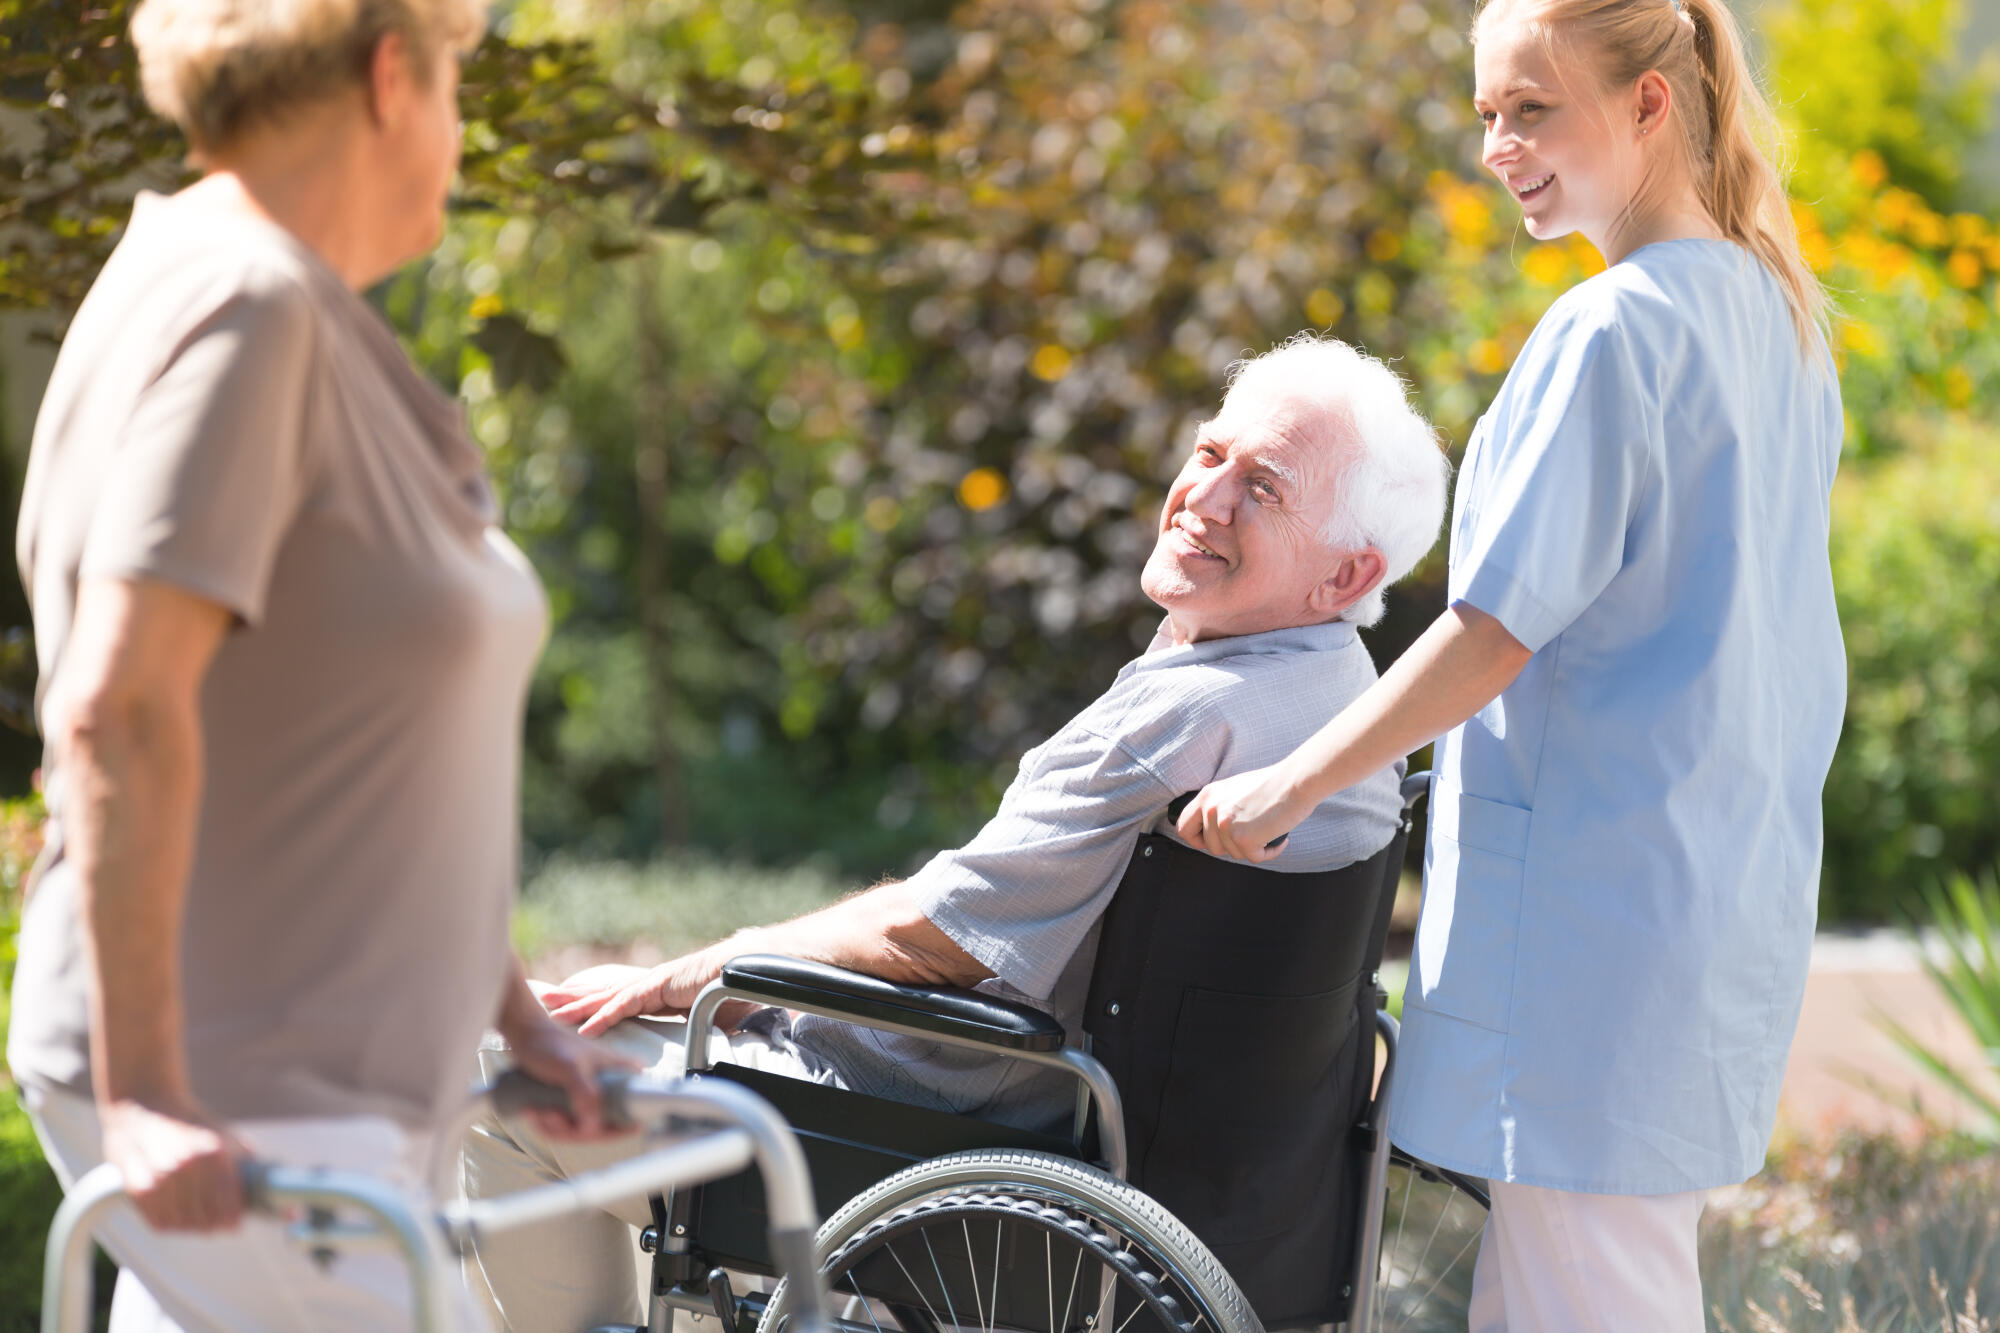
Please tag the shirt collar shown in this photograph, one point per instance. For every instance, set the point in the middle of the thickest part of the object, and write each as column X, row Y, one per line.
column 1334, row 634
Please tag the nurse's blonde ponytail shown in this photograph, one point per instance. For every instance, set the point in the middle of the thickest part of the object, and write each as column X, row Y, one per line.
column 1697, row 47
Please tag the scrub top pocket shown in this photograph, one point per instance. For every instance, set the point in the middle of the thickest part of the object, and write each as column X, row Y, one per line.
column 1464, row 962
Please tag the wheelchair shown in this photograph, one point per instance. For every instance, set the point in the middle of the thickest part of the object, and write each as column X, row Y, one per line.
column 1227, row 1169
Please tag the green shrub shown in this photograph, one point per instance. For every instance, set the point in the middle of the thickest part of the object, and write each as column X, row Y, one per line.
column 1916, row 554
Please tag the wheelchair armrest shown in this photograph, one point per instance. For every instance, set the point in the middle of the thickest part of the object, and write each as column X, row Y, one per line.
column 872, row 1002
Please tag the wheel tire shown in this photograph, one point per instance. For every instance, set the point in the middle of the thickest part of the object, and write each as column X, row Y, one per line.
column 1432, row 1223
column 1167, row 1247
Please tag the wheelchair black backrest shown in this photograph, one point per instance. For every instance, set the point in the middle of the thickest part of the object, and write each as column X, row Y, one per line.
column 1235, row 1007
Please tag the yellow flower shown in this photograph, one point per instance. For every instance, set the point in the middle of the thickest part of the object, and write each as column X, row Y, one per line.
column 1894, row 209
column 1584, row 255
column 1487, row 357
column 1957, row 386
column 1818, row 251
column 1928, row 229
column 485, row 307
column 981, row 489
column 1968, row 230
column 1963, row 268
column 1869, row 168
column 1051, row 363
column 1546, row 264
column 1384, row 245
column 1467, row 217
column 1862, row 338
column 1324, row 308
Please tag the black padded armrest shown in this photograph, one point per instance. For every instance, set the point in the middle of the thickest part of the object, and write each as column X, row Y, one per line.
column 872, row 1002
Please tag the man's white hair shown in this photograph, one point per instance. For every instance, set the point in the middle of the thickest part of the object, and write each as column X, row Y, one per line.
column 1389, row 480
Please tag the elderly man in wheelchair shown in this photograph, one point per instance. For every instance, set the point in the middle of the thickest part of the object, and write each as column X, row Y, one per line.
column 1074, row 985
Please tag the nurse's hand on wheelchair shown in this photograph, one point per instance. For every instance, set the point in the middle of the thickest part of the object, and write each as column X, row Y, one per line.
column 1247, row 817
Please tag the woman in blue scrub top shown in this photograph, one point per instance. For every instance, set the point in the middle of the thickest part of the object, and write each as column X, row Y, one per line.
column 1638, row 683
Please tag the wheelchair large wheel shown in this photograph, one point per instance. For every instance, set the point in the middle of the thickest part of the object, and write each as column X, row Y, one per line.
column 1431, row 1226
column 1021, row 1241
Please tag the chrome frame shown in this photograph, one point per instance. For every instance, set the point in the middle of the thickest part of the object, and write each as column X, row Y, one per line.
column 736, row 1128
column 1368, row 1236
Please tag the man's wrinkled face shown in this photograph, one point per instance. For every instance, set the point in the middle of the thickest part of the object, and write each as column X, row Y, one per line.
column 1240, row 547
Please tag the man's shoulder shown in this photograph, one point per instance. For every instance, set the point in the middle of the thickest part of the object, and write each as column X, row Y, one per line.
column 1162, row 699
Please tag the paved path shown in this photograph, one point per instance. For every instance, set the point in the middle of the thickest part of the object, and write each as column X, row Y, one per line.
column 1844, row 1071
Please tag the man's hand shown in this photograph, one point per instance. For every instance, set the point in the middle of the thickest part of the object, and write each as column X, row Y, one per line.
column 1241, row 816
column 182, row 1170
column 597, row 998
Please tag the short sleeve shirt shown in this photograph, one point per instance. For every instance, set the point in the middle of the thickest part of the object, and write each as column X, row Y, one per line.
column 228, row 418
column 1623, row 860
column 1025, row 896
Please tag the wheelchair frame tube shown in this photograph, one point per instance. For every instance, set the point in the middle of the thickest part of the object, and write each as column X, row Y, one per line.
column 1368, row 1237
column 1092, row 1073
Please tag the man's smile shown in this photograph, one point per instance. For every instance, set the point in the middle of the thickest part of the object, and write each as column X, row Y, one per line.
column 1198, row 546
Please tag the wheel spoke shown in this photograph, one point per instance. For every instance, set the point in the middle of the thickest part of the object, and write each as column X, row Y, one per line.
column 914, row 1287
column 1441, row 1274
column 1136, row 1307
column 972, row 1271
column 866, row 1308
column 943, row 1287
column 1049, row 1260
column 993, row 1297
column 1417, row 1267
column 1075, row 1273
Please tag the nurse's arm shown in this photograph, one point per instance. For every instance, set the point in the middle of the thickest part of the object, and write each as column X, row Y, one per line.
column 1459, row 665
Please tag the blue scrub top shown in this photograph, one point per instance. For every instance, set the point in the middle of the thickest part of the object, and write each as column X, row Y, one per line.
column 1623, row 868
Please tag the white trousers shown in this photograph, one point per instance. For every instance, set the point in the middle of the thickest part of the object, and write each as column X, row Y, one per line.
column 581, row 1271
column 254, row 1279
column 1552, row 1261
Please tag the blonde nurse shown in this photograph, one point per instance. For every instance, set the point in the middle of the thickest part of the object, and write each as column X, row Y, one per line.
column 1638, row 684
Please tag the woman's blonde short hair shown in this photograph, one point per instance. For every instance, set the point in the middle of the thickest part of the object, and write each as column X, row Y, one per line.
column 216, row 67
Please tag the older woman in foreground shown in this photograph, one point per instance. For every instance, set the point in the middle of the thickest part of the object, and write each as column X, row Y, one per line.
column 284, row 651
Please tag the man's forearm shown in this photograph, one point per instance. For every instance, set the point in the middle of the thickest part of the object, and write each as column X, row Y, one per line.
column 880, row 932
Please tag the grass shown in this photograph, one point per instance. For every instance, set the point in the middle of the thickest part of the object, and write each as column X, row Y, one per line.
column 664, row 907
column 1866, row 1234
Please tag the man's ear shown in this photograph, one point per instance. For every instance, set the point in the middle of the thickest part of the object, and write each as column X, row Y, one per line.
column 391, row 81
column 1353, row 578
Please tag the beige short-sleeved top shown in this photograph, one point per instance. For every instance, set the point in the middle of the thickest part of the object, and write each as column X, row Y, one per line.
column 228, row 417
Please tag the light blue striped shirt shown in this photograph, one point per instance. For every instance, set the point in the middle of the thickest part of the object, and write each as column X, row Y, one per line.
column 1025, row 896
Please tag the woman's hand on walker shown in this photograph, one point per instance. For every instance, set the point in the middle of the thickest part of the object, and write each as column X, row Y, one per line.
column 554, row 1054
column 181, row 1168
column 1241, row 816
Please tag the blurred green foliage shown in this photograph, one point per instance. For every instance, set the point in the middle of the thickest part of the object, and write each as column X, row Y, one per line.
column 832, row 359
column 1916, row 557
column 28, row 1190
